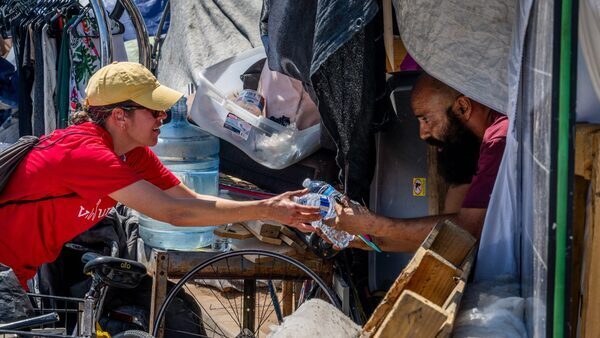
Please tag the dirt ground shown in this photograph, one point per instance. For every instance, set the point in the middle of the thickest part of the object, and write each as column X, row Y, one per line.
column 225, row 309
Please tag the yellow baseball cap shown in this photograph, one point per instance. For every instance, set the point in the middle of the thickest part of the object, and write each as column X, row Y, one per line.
column 122, row 81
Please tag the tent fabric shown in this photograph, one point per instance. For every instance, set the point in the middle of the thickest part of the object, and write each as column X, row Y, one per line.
column 464, row 43
column 326, row 25
column 588, row 88
column 203, row 33
column 499, row 249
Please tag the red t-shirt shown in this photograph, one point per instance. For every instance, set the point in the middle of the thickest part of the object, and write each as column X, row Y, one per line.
column 78, row 161
column 490, row 156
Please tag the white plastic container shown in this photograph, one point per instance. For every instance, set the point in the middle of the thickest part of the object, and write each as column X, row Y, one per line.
column 265, row 141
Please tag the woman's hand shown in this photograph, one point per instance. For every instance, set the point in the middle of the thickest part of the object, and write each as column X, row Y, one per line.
column 283, row 209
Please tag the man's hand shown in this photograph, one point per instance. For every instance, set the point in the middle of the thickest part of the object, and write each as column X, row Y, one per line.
column 351, row 217
column 357, row 243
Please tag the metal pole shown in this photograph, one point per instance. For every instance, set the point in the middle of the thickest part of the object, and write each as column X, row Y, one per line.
column 141, row 32
column 104, row 32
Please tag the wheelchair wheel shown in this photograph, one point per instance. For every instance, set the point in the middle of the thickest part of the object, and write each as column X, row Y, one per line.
column 242, row 293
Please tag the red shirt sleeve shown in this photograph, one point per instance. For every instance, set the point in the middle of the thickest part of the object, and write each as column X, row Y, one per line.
column 93, row 171
column 147, row 165
column 482, row 184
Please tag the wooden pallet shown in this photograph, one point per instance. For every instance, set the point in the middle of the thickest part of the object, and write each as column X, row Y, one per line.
column 424, row 299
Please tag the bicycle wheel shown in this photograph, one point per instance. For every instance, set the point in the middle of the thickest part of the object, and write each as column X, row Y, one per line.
column 242, row 293
column 133, row 334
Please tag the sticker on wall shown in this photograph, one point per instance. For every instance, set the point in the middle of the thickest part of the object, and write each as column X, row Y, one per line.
column 419, row 186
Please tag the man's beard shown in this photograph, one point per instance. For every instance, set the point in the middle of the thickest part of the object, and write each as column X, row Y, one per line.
column 458, row 153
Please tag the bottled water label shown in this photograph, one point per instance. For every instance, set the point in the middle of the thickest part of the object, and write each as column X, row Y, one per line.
column 326, row 205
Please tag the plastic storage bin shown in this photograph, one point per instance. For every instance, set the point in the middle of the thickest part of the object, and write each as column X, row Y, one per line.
column 265, row 141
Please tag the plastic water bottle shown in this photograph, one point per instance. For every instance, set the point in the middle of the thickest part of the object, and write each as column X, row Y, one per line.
column 323, row 188
column 326, row 205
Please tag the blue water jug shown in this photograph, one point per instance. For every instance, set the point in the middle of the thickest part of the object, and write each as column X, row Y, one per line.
column 189, row 152
column 193, row 156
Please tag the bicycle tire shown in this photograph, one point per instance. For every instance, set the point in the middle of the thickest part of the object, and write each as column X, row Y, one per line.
column 133, row 334
column 190, row 274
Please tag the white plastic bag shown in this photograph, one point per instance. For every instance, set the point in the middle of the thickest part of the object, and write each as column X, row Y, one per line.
column 265, row 141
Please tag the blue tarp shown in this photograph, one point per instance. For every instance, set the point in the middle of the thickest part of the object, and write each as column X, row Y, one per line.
column 151, row 11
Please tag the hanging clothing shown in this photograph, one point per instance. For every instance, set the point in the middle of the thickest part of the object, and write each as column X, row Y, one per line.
column 84, row 60
column 50, row 62
column 37, row 121
column 25, row 72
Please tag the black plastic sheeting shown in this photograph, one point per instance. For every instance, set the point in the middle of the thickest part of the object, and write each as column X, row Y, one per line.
column 341, row 59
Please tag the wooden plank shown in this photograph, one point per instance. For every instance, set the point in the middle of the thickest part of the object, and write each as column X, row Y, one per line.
column 590, row 306
column 264, row 229
column 412, row 316
column 585, row 151
column 292, row 243
column 451, row 309
column 580, row 190
column 434, row 279
column 254, row 243
column 160, row 261
column 236, row 231
column 450, row 241
column 437, row 185
column 256, row 233
column 287, row 232
column 452, row 304
column 287, row 298
column 393, row 293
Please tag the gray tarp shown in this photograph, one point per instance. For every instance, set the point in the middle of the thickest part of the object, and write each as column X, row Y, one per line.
column 464, row 43
column 203, row 33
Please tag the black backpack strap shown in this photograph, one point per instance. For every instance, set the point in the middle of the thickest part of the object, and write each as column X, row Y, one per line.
column 13, row 155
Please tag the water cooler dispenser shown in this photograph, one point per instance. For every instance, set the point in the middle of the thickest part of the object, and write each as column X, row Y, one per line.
column 193, row 156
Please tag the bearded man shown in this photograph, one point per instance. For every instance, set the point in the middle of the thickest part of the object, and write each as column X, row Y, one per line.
column 454, row 123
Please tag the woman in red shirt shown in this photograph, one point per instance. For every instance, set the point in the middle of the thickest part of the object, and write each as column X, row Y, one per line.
column 74, row 176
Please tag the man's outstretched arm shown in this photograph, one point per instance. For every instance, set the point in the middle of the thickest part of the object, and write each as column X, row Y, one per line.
column 402, row 235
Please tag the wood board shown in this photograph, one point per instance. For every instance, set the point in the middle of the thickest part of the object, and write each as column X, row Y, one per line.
column 236, row 231
column 430, row 286
column 264, row 229
column 254, row 243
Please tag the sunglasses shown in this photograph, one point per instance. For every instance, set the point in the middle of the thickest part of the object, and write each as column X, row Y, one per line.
column 155, row 113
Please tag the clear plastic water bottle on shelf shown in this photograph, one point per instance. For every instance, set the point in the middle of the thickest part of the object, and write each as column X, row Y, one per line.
column 326, row 204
